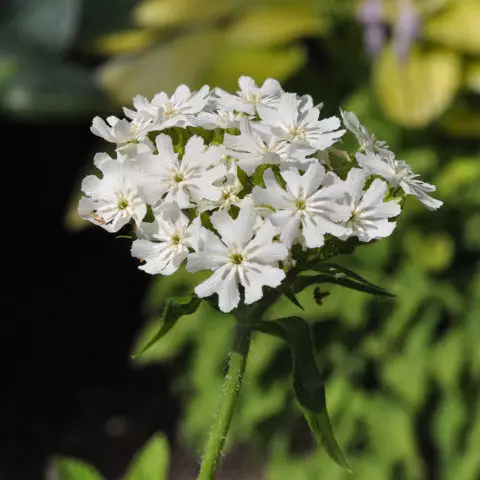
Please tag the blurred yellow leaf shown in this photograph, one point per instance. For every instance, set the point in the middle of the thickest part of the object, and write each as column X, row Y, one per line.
column 472, row 76
column 162, row 68
column 259, row 64
column 128, row 41
column 275, row 25
column 457, row 26
column 171, row 13
column 416, row 92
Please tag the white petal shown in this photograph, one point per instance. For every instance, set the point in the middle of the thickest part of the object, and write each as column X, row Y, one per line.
column 255, row 278
column 379, row 229
column 213, row 283
column 355, row 182
column 193, row 152
column 271, row 88
column 314, row 228
column 244, row 225
column 91, row 184
column 101, row 129
column 375, row 164
column 165, row 148
column 289, row 224
column 228, row 294
column 139, row 213
column 273, row 195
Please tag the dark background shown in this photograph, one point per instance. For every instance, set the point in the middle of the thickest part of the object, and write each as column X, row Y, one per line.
column 72, row 309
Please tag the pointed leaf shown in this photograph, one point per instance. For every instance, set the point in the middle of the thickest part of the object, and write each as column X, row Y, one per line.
column 340, row 272
column 291, row 296
column 67, row 468
column 175, row 308
column 151, row 462
column 307, row 380
column 305, row 281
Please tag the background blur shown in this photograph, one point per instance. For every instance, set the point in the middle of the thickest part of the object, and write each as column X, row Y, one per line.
column 404, row 375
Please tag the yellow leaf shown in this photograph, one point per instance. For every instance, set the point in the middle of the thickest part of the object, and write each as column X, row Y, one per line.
column 128, row 41
column 416, row 92
column 269, row 26
column 162, row 68
column 258, row 64
column 171, row 13
column 457, row 26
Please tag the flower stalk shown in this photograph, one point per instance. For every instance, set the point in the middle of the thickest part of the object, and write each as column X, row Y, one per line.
column 231, row 388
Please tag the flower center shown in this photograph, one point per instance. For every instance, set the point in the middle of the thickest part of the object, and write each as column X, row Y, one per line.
column 122, row 204
column 178, row 177
column 236, row 258
column 169, row 110
column 300, row 204
column 176, row 239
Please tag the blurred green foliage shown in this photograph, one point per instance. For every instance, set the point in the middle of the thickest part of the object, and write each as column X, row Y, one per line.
column 403, row 373
column 150, row 462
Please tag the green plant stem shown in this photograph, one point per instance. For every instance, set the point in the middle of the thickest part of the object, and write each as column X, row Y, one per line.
column 231, row 388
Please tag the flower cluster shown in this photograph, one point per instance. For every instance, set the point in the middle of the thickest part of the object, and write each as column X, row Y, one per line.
column 241, row 184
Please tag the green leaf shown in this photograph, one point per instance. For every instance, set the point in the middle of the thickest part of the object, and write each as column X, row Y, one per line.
column 307, row 380
column 67, row 468
column 175, row 308
column 151, row 463
column 332, row 273
column 342, row 272
column 291, row 296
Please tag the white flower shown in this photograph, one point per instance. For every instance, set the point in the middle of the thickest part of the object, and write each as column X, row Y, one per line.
column 164, row 112
column 250, row 97
column 304, row 203
column 369, row 212
column 113, row 200
column 292, row 122
column 169, row 246
column 230, row 189
column 184, row 181
column 367, row 141
column 253, row 148
column 241, row 256
column 399, row 173
column 221, row 118
column 119, row 131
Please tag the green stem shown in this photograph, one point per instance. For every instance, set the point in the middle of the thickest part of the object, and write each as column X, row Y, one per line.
column 231, row 388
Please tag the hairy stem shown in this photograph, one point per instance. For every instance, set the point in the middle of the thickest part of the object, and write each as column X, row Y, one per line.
column 231, row 388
